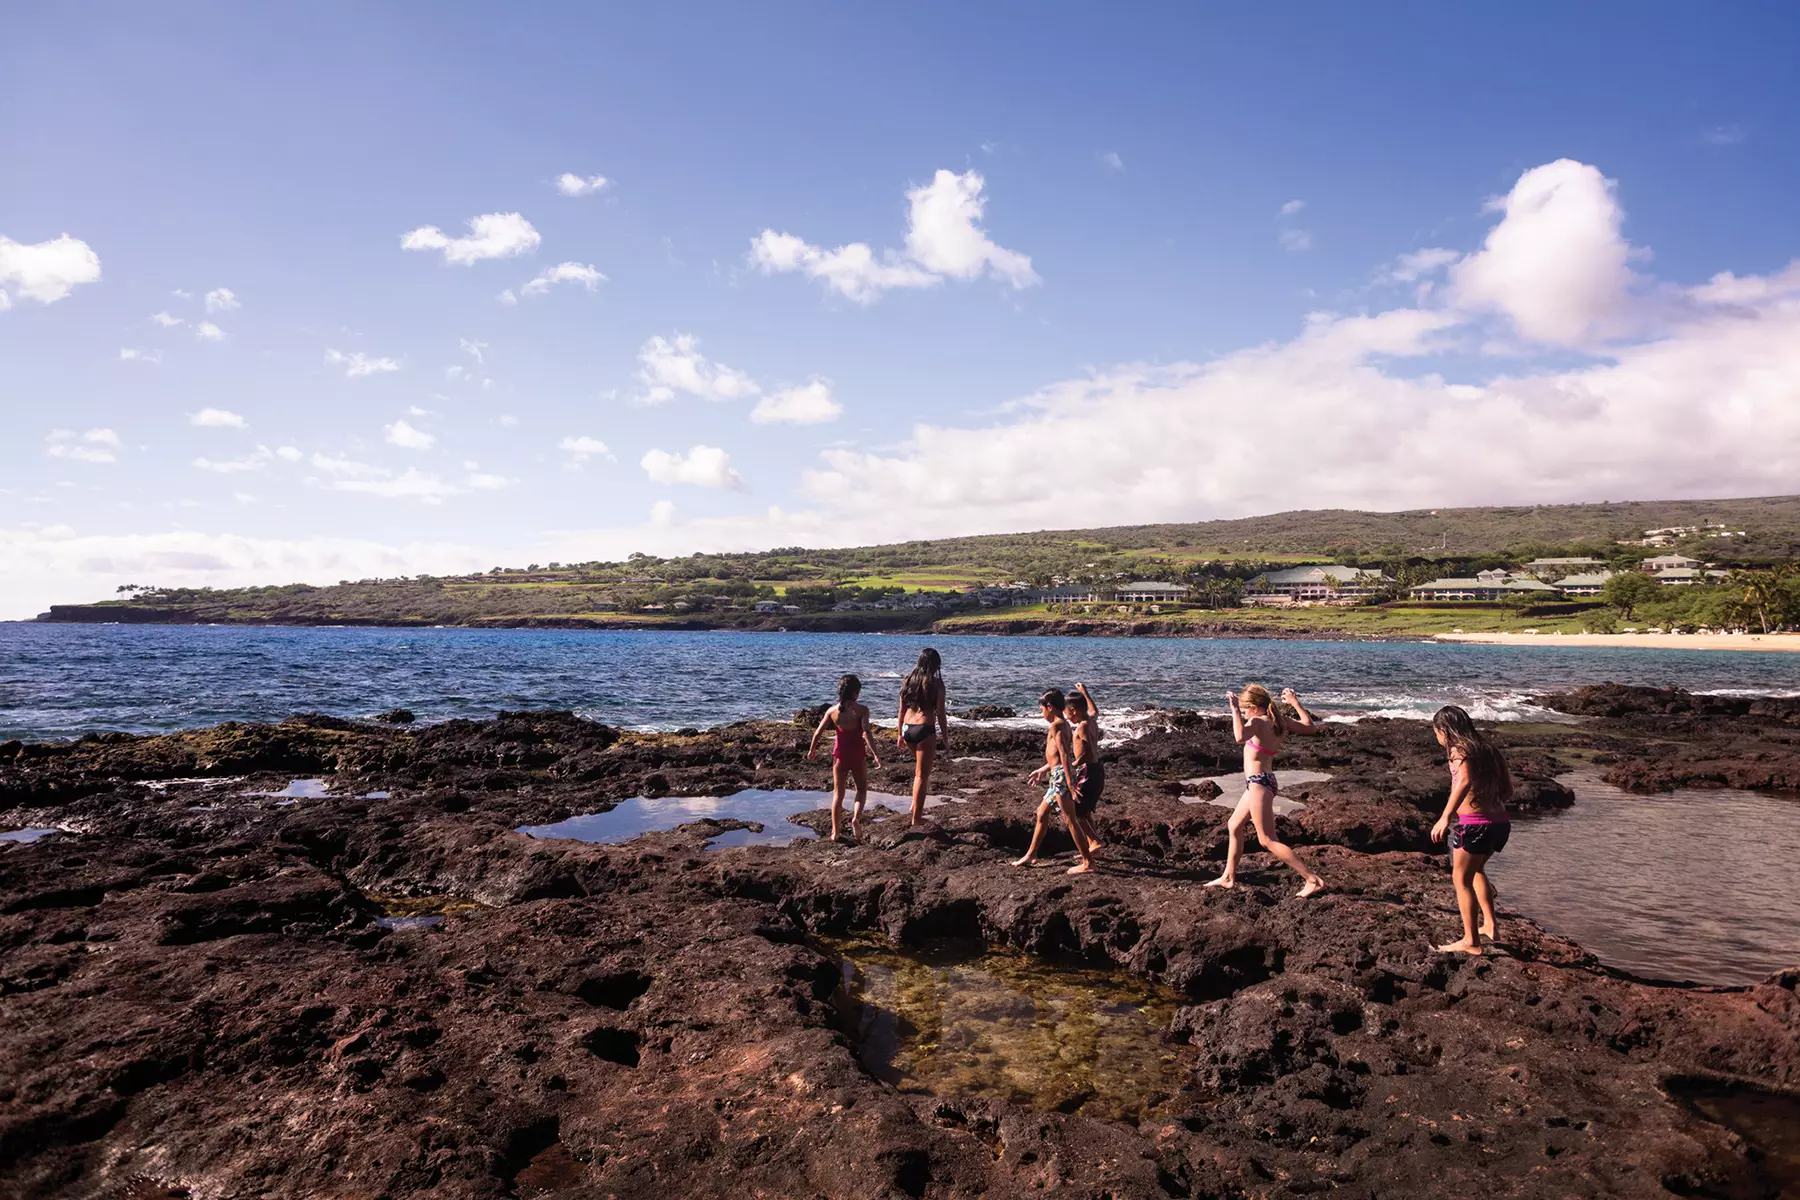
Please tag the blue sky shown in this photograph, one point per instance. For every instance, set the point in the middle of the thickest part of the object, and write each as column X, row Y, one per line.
column 1132, row 265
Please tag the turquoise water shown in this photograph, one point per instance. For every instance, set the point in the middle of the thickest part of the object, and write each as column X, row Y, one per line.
column 64, row 680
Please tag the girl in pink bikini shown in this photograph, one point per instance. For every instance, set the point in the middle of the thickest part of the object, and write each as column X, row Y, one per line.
column 1260, row 728
column 850, row 751
column 1480, row 786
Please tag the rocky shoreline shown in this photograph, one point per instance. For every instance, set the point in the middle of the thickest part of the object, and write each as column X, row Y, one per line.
column 198, row 997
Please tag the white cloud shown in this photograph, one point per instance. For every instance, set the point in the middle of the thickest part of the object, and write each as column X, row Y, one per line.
column 289, row 453
column 359, row 364
column 702, row 466
column 662, row 513
column 944, row 239
column 473, row 349
column 506, row 420
column 206, row 331
column 1725, row 135
column 482, row 482
column 1292, row 207
column 410, row 484
column 1556, row 262
column 1418, row 264
column 570, row 184
column 569, row 272
column 167, row 321
column 404, row 435
column 491, row 235
column 47, row 271
column 182, row 294
column 139, row 354
column 667, row 366
column 507, row 298
column 41, row 567
column 581, row 448
column 222, row 300
column 809, row 404
column 1111, row 161
column 217, row 418
column 1294, row 240
column 94, row 446
column 243, row 497
column 237, row 466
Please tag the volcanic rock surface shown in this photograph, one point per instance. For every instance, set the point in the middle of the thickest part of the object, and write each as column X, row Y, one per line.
column 197, row 997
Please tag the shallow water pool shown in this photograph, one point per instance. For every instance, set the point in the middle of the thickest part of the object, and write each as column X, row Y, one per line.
column 29, row 834
column 1691, row 885
column 960, row 1020
column 1231, row 789
column 771, row 808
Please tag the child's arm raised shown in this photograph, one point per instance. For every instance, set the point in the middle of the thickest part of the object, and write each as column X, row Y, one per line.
column 1093, row 709
column 1237, row 718
column 1305, row 724
column 824, row 722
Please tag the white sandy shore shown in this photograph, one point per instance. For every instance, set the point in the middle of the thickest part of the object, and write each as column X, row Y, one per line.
column 1641, row 641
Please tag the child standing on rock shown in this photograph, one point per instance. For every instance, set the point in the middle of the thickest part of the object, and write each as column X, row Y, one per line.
column 1480, row 786
column 850, row 751
column 1090, row 774
column 1260, row 728
column 1059, row 766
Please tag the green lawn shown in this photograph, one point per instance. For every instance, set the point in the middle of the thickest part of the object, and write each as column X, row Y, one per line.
column 1365, row 622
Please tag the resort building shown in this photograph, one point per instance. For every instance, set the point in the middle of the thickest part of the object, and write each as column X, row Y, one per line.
column 1147, row 592
column 1069, row 595
column 1326, row 583
column 1687, row 576
column 1669, row 562
column 1557, row 568
column 1487, row 585
column 1590, row 583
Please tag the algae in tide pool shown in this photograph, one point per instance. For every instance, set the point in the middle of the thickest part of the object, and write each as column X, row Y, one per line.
column 1007, row 1026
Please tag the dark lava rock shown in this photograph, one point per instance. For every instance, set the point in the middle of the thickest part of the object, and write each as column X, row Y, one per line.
column 396, row 716
column 194, row 990
column 984, row 712
column 809, row 718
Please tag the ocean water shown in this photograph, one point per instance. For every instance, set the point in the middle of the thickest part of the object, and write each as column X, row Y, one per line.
column 59, row 681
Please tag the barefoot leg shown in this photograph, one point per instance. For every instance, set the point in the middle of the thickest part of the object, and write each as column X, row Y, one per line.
column 1262, row 812
column 1462, row 870
column 1082, row 849
column 1234, row 843
column 924, row 756
column 839, row 769
column 1485, row 896
column 1037, row 836
column 860, row 772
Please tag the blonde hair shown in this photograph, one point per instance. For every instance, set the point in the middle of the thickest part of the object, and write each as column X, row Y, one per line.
column 1255, row 695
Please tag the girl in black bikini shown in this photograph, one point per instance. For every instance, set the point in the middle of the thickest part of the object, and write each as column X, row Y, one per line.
column 1261, row 733
column 1480, row 786
column 922, row 714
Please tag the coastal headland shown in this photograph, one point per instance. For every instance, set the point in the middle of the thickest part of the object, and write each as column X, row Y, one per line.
column 210, row 989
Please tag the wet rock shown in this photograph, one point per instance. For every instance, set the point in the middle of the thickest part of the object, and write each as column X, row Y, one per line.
column 984, row 712
column 396, row 716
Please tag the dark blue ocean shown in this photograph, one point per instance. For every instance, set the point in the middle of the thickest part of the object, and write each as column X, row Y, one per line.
column 59, row 681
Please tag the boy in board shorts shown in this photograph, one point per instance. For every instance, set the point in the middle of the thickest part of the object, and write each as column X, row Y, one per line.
column 1090, row 774
column 1059, row 768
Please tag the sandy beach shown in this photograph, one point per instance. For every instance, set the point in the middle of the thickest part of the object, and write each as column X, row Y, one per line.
column 1641, row 641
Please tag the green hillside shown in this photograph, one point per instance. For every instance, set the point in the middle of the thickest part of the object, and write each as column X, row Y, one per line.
column 1218, row 557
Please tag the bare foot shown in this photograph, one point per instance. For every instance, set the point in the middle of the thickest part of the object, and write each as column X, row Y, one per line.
column 1222, row 882
column 1312, row 887
column 1027, row 861
column 1487, row 931
column 1080, row 869
column 1460, row 947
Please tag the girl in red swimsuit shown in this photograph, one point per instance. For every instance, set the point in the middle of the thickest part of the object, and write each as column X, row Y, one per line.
column 1480, row 786
column 850, row 751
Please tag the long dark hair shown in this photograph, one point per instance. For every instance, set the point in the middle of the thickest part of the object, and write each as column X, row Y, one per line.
column 923, row 684
column 1488, row 777
column 849, row 688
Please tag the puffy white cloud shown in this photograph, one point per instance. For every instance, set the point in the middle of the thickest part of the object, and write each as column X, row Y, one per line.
column 944, row 239
column 222, row 300
column 47, row 271
column 41, row 567
column 670, row 365
column 1556, row 263
column 93, row 446
column 809, row 404
column 569, row 272
column 1418, row 264
column 410, row 484
column 1292, row 207
column 403, row 434
column 491, row 235
column 507, row 297
column 139, row 354
column 581, row 448
column 289, row 453
column 473, row 349
column 206, row 331
column 359, row 364
column 570, row 184
column 1111, row 161
column 217, row 418
column 702, row 466
column 254, row 461
column 166, row 320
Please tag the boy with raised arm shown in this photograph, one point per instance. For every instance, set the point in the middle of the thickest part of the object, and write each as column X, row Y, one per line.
column 1059, row 767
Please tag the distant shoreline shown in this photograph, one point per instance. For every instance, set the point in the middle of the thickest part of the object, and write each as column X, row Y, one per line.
column 1779, row 642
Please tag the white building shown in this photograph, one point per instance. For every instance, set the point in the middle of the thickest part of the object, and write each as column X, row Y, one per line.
column 1556, row 568
column 1330, row 582
column 1487, row 585
column 1669, row 562
column 1148, row 592
column 1590, row 583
